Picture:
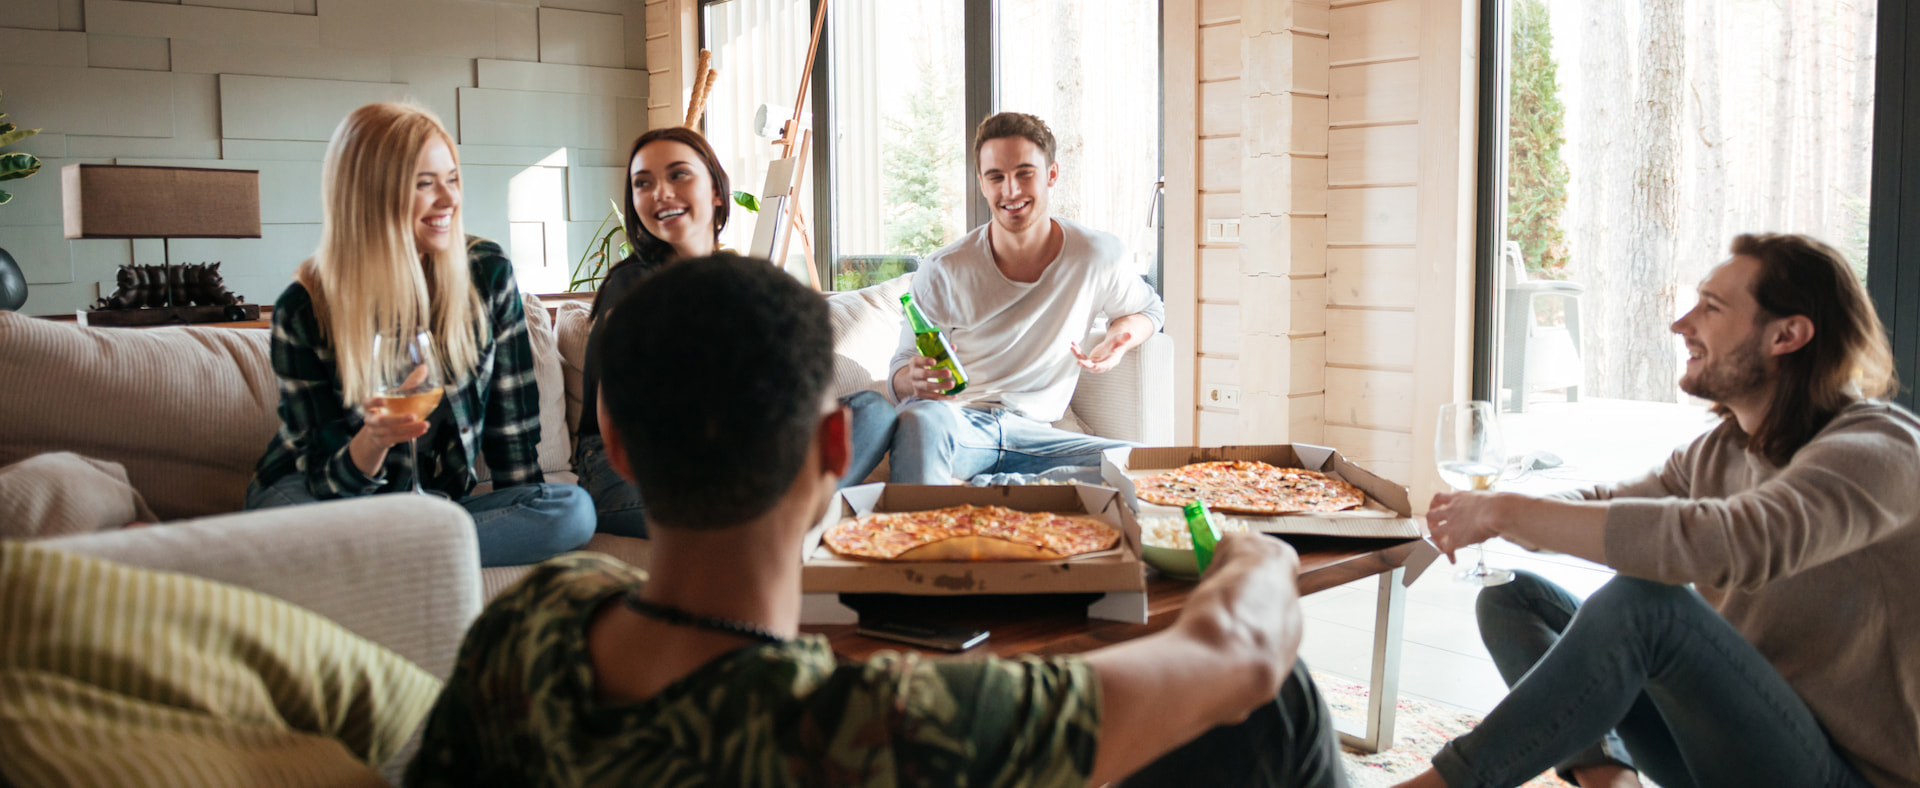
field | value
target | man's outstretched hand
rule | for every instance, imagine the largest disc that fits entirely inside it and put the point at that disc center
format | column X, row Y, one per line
column 1105, row 355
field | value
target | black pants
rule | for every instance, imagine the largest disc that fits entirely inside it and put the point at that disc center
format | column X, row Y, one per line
column 1289, row 743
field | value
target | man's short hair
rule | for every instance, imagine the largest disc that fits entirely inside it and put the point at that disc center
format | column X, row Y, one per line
column 714, row 373
column 1014, row 124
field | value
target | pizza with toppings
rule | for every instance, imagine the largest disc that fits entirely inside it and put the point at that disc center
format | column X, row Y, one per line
column 969, row 533
column 1243, row 487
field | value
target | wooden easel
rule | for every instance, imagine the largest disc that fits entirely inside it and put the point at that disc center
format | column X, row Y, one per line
column 794, row 143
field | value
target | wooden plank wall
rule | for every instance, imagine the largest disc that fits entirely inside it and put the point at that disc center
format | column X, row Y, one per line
column 1373, row 205
column 1262, row 146
column 542, row 98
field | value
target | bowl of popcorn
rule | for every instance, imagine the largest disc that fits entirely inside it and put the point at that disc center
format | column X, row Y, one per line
column 1167, row 545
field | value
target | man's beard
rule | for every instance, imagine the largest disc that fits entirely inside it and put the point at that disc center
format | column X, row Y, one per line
column 1733, row 376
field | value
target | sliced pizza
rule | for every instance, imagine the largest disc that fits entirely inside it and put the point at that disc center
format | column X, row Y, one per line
column 969, row 533
column 1245, row 487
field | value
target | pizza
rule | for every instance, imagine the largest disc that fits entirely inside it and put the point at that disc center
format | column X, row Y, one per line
column 1242, row 487
column 969, row 533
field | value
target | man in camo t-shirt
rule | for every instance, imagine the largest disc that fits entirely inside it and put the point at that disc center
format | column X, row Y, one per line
column 590, row 672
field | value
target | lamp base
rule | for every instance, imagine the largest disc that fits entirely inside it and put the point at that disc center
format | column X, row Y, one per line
column 168, row 315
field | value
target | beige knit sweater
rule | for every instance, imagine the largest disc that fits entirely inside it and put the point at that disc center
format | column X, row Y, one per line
column 1817, row 563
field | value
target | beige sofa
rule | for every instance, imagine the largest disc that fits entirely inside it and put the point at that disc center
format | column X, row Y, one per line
column 188, row 411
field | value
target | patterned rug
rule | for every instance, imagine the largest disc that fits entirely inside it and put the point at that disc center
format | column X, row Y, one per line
column 1419, row 729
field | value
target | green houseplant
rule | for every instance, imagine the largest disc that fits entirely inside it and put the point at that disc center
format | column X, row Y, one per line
column 601, row 252
column 13, row 167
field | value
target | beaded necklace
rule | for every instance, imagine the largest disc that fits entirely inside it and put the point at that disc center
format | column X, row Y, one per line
column 678, row 617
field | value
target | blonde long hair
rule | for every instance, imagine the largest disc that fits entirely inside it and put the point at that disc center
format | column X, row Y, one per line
column 367, row 276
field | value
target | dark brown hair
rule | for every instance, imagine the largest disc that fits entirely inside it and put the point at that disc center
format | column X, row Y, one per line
column 1014, row 124
column 645, row 245
column 1847, row 358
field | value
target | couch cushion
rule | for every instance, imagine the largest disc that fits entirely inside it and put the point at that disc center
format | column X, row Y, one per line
column 186, row 410
column 140, row 677
column 866, row 330
column 62, row 493
column 574, row 322
column 556, row 441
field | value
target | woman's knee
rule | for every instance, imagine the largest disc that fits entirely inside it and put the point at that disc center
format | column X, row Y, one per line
column 1499, row 603
column 1639, row 594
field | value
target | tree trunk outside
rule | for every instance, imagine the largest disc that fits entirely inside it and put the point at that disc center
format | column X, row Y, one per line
column 1067, row 130
column 1598, row 131
column 1646, row 361
column 1779, row 194
column 1707, row 246
column 1857, row 166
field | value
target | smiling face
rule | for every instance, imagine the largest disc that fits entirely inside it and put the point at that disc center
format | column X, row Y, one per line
column 1725, row 336
column 436, row 196
column 1015, row 178
column 674, row 195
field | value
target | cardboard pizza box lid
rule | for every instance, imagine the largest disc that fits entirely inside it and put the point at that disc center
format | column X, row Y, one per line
column 1119, row 569
column 1387, row 515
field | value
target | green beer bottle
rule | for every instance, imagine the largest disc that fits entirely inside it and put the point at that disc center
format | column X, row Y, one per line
column 1205, row 533
column 934, row 345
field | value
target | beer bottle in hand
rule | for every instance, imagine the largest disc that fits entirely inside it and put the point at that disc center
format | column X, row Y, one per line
column 1206, row 535
column 934, row 345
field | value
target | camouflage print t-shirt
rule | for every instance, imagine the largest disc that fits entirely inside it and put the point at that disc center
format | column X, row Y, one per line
column 520, row 709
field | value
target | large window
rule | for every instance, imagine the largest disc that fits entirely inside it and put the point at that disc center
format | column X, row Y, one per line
column 1635, row 140
column 899, row 86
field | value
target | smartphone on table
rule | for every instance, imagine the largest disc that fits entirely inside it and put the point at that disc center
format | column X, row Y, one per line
column 936, row 636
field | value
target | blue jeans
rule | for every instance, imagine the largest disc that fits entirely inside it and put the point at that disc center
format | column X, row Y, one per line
column 622, row 512
column 939, row 441
column 524, row 524
column 1289, row 743
column 1644, row 675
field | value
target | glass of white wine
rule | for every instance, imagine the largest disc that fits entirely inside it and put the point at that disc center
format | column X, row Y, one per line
column 1466, row 446
column 407, row 378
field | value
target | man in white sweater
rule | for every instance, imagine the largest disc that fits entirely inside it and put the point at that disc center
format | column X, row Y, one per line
column 1794, row 658
column 1016, row 296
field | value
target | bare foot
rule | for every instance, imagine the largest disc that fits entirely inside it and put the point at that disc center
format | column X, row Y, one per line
column 1606, row 776
column 1426, row 779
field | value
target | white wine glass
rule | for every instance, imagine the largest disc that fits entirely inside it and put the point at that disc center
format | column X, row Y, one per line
column 407, row 378
column 1466, row 447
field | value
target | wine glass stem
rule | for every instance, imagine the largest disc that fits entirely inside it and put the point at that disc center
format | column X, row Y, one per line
column 1482, row 551
column 413, row 463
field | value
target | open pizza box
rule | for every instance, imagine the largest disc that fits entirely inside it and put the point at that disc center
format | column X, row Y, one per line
column 1387, row 513
column 1117, row 572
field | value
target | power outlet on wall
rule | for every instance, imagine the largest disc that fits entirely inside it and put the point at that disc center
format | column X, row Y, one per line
column 1214, row 395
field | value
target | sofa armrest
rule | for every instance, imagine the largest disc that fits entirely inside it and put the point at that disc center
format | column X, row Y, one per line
column 1134, row 400
column 400, row 570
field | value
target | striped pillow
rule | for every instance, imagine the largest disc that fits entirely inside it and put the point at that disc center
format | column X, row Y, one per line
column 111, row 675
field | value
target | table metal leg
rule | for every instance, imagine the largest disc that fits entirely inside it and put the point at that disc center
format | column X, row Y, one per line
column 1383, row 689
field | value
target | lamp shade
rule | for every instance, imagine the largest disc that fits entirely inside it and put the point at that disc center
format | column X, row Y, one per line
column 114, row 201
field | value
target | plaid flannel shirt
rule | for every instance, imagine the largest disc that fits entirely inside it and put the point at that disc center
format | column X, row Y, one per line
column 496, row 408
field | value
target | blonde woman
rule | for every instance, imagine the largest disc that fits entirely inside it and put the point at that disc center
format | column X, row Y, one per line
column 393, row 256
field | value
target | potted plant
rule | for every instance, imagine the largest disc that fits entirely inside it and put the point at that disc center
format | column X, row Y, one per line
column 13, row 166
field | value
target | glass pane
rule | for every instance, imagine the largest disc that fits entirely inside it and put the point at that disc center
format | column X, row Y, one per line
column 899, row 154
column 1629, row 169
column 1090, row 69
column 758, row 48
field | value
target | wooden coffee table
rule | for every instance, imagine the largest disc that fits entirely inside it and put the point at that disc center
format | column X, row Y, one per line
column 1038, row 625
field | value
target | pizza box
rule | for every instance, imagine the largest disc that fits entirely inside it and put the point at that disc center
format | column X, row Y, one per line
column 1118, row 572
column 1388, row 514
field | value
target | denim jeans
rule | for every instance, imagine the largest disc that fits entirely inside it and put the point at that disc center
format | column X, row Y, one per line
column 618, row 503
column 1644, row 675
column 939, row 441
column 1289, row 743
column 523, row 524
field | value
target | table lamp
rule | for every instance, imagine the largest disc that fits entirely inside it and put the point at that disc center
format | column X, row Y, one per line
column 116, row 201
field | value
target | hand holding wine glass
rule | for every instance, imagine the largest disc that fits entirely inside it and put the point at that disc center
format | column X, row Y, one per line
column 1467, row 449
column 407, row 388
